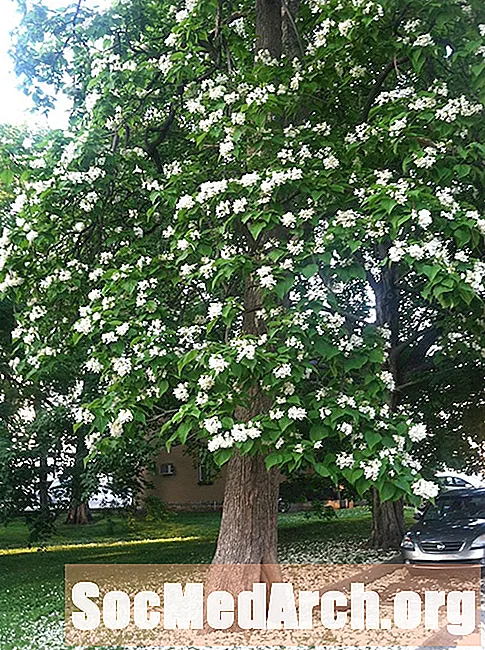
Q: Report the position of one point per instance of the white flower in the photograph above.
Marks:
(388, 380)
(424, 218)
(226, 147)
(217, 363)
(423, 41)
(239, 205)
(249, 179)
(83, 416)
(84, 325)
(206, 382)
(345, 27)
(288, 220)
(276, 414)
(215, 310)
(344, 460)
(221, 441)
(185, 203)
(371, 468)
(181, 392)
(116, 427)
(330, 162)
(212, 425)
(296, 413)
(238, 118)
(93, 365)
(282, 371)
(245, 349)
(345, 428)
(425, 489)
(396, 251)
(397, 127)
(122, 366)
(299, 448)
(417, 432)
(266, 278)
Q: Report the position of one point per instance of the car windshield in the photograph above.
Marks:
(455, 509)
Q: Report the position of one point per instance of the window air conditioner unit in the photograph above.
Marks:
(167, 469)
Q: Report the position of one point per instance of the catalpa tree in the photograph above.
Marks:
(262, 223)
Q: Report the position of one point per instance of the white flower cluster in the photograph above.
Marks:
(458, 106)
(345, 460)
(116, 427)
(417, 432)
(240, 432)
(371, 468)
(425, 489)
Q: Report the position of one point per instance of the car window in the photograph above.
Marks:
(459, 482)
(456, 509)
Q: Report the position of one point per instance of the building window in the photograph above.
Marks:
(167, 469)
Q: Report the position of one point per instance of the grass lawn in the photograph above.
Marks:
(31, 581)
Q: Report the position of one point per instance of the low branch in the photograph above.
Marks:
(376, 88)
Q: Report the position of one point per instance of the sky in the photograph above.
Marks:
(14, 104)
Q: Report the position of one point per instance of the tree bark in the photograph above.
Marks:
(79, 515)
(388, 516)
(248, 527)
(387, 522)
(292, 47)
(248, 534)
(268, 27)
(79, 512)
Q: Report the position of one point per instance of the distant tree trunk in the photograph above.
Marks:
(388, 516)
(292, 47)
(268, 27)
(78, 512)
(387, 522)
(44, 482)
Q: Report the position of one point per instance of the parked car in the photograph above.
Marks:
(450, 530)
(458, 480)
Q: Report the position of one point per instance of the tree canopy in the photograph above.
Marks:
(258, 252)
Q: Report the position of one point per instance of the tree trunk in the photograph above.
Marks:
(388, 525)
(79, 514)
(44, 482)
(388, 516)
(268, 27)
(292, 46)
(248, 534)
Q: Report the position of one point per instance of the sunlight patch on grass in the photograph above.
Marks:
(68, 547)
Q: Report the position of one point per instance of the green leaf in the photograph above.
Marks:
(273, 459)
(222, 456)
(183, 431)
(257, 228)
(387, 491)
(310, 270)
